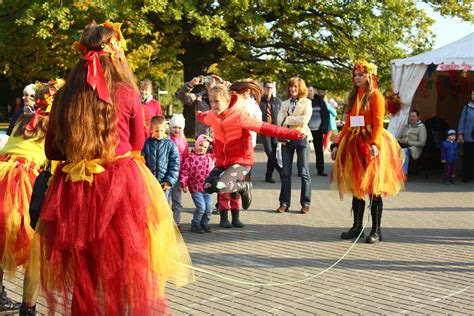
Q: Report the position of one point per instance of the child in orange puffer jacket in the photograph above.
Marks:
(233, 148)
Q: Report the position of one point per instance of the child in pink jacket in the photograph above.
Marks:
(194, 171)
(177, 123)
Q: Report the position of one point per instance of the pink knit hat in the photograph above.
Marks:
(202, 138)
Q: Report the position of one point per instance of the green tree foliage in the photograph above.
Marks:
(263, 39)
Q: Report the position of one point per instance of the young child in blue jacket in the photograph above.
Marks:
(161, 155)
(449, 152)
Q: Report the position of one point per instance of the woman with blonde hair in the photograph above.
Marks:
(368, 158)
(106, 233)
(295, 113)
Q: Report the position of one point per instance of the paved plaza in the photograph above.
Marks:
(425, 265)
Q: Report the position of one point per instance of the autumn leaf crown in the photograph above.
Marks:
(115, 46)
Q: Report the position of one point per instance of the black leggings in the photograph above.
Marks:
(223, 180)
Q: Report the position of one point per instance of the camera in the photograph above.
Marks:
(207, 79)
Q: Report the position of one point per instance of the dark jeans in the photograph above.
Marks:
(468, 161)
(269, 144)
(287, 153)
(222, 180)
(449, 169)
(318, 148)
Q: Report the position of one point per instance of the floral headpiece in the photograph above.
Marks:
(367, 68)
(115, 47)
(43, 105)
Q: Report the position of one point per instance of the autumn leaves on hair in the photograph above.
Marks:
(85, 126)
(370, 71)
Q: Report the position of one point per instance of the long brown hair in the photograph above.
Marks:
(84, 126)
(241, 86)
(369, 89)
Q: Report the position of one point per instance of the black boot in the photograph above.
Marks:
(224, 223)
(6, 303)
(235, 219)
(245, 190)
(27, 311)
(358, 207)
(376, 213)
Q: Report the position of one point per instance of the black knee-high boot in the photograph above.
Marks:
(235, 219)
(376, 212)
(224, 223)
(244, 188)
(27, 310)
(358, 207)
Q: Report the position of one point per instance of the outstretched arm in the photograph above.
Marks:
(252, 124)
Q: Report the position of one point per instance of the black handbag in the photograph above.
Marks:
(37, 196)
(298, 144)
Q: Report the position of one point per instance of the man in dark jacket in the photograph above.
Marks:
(319, 125)
(270, 106)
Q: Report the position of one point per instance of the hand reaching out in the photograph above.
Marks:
(166, 186)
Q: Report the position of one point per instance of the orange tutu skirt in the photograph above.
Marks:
(359, 173)
(107, 240)
(17, 176)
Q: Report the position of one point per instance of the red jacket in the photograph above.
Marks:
(232, 140)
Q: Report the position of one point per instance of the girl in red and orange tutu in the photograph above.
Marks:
(107, 242)
(20, 162)
(233, 148)
(368, 159)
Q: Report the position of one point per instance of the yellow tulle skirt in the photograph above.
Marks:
(359, 173)
(17, 177)
(106, 242)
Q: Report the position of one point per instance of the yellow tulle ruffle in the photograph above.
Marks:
(358, 173)
(168, 258)
(168, 252)
(17, 176)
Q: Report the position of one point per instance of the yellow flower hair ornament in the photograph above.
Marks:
(367, 68)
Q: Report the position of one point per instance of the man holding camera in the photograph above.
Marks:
(199, 101)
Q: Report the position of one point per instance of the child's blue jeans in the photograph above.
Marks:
(203, 211)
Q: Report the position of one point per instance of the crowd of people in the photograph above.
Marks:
(108, 237)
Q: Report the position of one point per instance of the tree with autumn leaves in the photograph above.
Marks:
(171, 41)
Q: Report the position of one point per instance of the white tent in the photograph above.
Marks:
(407, 73)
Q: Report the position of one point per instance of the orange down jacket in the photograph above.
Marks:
(232, 140)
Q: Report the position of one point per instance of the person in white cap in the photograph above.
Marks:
(449, 153)
(177, 123)
(28, 107)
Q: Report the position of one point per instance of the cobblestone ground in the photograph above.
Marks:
(423, 266)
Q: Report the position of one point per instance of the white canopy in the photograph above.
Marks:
(407, 73)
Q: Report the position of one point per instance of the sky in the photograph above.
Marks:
(447, 30)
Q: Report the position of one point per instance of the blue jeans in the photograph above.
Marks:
(176, 197)
(203, 211)
(407, 160)
(287, 153)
